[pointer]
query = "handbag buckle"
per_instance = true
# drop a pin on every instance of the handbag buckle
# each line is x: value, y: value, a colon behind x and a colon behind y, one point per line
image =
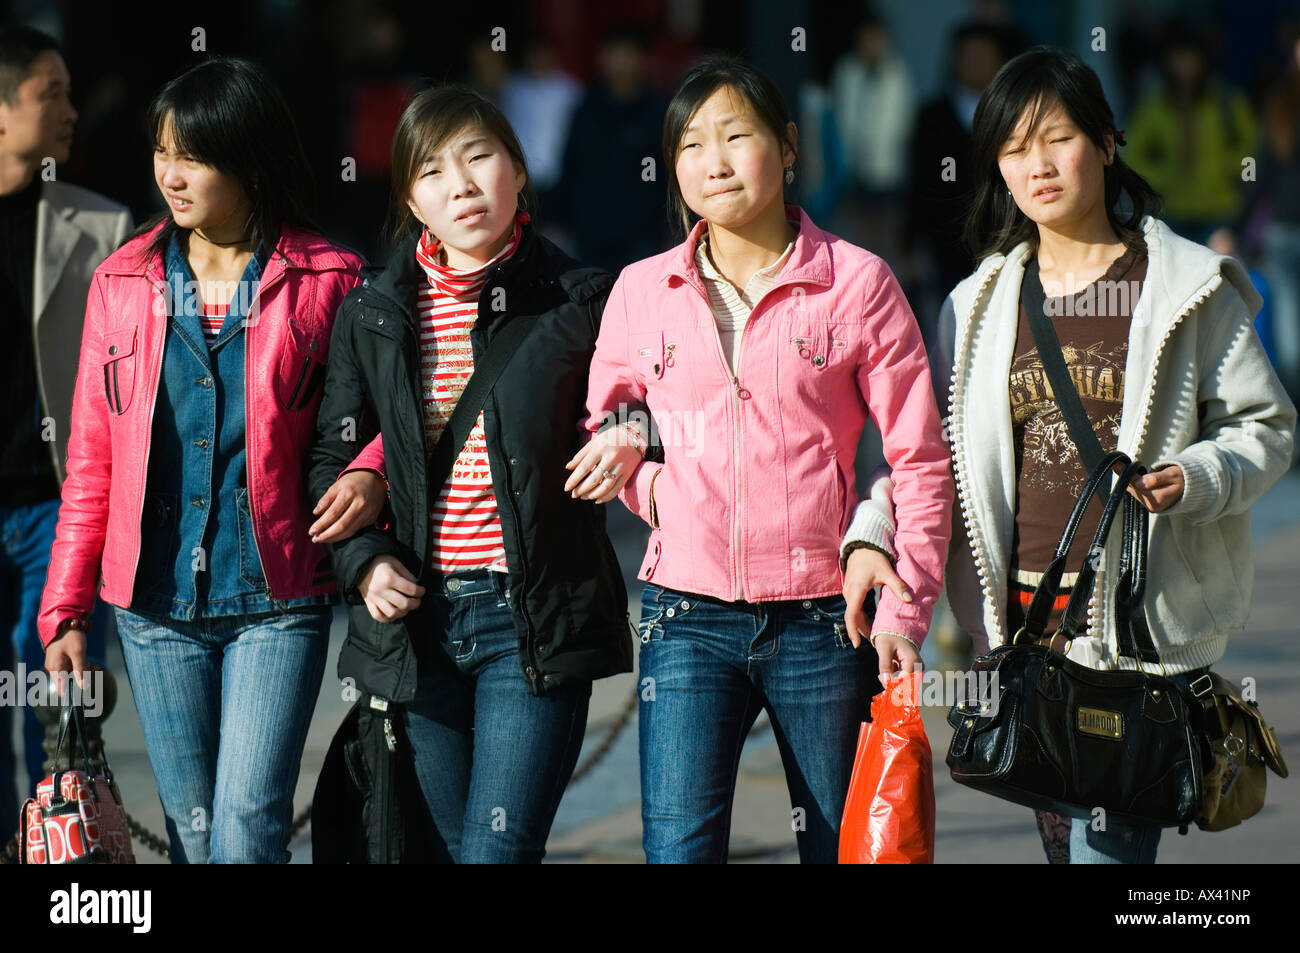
x: 1201, y: 692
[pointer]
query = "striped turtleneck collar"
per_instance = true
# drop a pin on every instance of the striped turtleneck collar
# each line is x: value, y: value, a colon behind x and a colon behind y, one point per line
x: 449, y: 281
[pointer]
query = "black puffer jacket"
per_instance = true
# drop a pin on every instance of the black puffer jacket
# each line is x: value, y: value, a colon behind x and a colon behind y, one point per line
x: 572, y: 618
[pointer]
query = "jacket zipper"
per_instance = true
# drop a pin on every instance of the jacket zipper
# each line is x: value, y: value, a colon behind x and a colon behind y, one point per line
x: 533, y: 672
x: 741, y: 393
x: 148, y: 433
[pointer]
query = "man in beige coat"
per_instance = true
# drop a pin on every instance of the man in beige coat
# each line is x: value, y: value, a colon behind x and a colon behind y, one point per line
x: 52, y: 236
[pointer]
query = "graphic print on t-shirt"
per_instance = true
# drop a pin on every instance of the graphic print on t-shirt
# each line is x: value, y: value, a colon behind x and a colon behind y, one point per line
x: 1049, y: 455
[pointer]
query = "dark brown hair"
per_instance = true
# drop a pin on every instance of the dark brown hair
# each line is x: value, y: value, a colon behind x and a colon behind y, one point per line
x: 1038, y: 81
x: 751, y: 84
x: 433, y: 117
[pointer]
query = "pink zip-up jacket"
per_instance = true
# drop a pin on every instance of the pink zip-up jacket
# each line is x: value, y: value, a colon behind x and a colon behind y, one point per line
x: 287, y: 347
x: 757, y: 484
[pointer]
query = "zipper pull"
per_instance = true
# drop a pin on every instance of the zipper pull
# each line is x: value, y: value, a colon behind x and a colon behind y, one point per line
x: 741, y: 392
x: 389, y: 738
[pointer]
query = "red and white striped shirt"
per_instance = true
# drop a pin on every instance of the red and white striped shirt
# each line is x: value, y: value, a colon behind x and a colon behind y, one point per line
x: 464, y: 522
x: 212, y: 318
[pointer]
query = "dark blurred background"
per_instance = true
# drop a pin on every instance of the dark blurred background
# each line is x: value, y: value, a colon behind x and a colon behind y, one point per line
x: 883, y: 94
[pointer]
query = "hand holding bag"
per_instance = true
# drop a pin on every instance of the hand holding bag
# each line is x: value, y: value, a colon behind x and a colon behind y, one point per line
x: 889, y: 812
x: 76, y: 817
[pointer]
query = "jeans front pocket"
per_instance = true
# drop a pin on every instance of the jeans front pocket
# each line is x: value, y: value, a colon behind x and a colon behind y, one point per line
x: 459, y: 635
x: 828, y: 611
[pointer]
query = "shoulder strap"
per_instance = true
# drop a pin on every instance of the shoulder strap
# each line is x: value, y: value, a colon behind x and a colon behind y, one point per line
x: 463, y: 418
x: 1049, y: 352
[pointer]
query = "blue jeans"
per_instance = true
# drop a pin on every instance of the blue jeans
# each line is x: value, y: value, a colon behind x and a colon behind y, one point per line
x: 26, y: 536
x: 707, y: 669
x: 1120, y: 842
x: 224, y: 705
x: 492, y: 760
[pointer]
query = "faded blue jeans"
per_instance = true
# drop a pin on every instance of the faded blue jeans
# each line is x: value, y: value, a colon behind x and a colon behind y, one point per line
x: 492, y: 760
x: 224, y: 704
x: 707, y: 669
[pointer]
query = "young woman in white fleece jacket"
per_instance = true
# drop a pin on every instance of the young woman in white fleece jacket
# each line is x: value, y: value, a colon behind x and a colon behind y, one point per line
x: 1197, y: 401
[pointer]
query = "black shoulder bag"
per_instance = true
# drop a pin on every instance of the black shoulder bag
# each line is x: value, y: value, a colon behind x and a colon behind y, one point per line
x: 1053, y: 734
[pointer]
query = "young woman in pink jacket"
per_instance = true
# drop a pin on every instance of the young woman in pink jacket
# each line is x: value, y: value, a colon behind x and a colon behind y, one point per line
x: 203, y: 352
x: 758, y: 347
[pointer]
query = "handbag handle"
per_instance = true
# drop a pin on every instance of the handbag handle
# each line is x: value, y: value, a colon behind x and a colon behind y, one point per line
x: 1040, y: 608
x: 73, y: 712
x: 1130, y: 617
x: 1075, y: 610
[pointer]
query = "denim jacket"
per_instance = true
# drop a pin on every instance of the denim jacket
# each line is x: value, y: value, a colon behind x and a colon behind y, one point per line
x: 198, y: 553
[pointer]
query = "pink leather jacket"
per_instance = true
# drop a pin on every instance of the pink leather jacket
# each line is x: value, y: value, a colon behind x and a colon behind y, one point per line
x: 288, y: 337
x: 757, y: 486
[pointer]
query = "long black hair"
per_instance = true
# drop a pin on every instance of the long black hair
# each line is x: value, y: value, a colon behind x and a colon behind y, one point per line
x: 228, y: 114
x: 750, y: 83
x: 1039, y: 80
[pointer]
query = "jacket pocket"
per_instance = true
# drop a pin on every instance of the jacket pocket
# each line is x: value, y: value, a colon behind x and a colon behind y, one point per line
x: 250, y: 563
x: 1211, y: 570
x: 302, y: 367
x: 118, y: 357
x: 653, y: 551
x: 814, y: 347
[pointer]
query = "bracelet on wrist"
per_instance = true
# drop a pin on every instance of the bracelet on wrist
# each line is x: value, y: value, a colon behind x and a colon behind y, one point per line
x: 635, y: 436
x: 897, y: 635
x: 80, y: 623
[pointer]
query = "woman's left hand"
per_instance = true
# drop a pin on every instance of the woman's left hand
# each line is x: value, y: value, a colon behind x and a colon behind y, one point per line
x: 352, y: 502
x: 1159, y: 489
x: 897, y: 656
x: 602, y: 467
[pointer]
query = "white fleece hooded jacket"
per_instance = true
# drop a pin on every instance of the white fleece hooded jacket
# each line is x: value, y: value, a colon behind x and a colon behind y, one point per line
x: 1200, y: 393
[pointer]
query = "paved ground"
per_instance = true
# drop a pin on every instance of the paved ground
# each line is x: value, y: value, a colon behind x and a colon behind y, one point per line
x: 599, y: 819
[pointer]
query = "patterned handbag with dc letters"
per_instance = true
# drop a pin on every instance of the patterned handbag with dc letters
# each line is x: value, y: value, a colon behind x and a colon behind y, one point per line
x: 76, y: 817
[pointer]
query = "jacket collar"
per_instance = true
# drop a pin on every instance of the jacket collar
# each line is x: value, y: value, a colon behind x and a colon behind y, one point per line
x: 399, y: 280
x: 809, y: 262
x: 1177, y: 270
x: 296, y: 248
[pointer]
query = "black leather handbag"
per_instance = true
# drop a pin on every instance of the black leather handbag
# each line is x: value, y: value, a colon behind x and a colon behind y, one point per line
x: 1056, y: 735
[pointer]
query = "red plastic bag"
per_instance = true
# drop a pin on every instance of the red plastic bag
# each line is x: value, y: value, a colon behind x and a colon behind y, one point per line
x: 889, y: 813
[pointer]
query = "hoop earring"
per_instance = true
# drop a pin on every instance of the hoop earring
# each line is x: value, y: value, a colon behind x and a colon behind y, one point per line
x: 523, y: 204
x: 789, y: 174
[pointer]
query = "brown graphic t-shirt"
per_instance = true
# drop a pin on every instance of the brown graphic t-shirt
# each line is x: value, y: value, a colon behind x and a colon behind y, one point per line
x: 1092, y: 327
